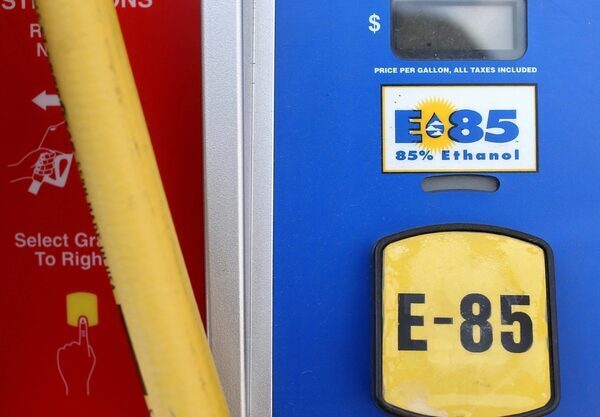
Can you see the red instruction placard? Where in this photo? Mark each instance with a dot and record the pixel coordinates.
(63, 348)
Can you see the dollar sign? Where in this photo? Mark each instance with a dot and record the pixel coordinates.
(374, 26)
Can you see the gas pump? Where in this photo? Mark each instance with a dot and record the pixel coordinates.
(401, 212)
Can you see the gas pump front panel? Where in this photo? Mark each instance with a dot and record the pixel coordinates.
(371, 99)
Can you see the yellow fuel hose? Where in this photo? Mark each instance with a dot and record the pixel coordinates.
(125, 192)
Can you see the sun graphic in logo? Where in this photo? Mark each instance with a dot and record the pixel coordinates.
(435, 115)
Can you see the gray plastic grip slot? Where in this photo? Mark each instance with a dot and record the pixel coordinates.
(483, 183)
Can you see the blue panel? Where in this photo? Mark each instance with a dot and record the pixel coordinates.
(332, 203)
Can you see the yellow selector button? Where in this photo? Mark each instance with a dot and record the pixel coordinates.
(82, 304)
(465, 323)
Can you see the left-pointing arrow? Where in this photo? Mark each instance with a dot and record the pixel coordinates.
(44, 100)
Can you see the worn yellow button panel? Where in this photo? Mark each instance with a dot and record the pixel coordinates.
(465, 323)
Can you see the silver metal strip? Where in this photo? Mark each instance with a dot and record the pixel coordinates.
(259, 72)
(238, 85)
(224, 189)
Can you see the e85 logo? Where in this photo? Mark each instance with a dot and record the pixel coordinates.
(459, 128)
(462, 126)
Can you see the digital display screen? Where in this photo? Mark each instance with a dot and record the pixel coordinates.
(459, 29)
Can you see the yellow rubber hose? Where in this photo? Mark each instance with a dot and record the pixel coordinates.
(125, 192)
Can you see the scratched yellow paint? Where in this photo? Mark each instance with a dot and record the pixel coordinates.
(447, 380)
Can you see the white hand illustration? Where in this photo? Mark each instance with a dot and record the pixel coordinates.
(76, 362)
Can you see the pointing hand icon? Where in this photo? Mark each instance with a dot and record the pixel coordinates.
(76, 362)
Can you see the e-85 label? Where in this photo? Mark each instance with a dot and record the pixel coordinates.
(476, 330)
(465, 323)
(453, 128)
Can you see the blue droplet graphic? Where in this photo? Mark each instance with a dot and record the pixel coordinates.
(435, 128)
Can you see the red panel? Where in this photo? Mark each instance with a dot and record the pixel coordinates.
(45, 213)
